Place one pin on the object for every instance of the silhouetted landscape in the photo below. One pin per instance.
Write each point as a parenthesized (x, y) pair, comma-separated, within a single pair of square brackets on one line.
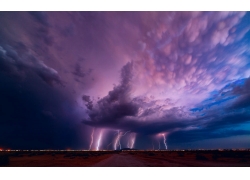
[(125, 158)]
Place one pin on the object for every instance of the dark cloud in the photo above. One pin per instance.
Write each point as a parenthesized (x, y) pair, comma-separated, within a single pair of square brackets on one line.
[(228, 120), (32, 114), (12, 63), (116, 105), (48, 114), (25, 126), (89, 103), (86, 98), (79, 72), (118, 110), (179, 137), (233, 96), (242, 102), (243, 93), (41, 17)]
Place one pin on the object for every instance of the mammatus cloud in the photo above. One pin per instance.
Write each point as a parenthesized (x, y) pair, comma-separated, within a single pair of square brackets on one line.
[(150, 116)]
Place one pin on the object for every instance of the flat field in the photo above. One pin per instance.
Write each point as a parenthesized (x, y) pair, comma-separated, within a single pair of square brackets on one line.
[(125, 158)]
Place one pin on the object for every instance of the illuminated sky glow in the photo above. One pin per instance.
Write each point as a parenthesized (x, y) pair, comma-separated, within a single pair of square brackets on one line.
[(170, 79)]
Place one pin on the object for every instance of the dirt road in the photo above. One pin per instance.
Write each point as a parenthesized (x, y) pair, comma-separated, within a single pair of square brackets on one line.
[(120, 160), (127, 160)]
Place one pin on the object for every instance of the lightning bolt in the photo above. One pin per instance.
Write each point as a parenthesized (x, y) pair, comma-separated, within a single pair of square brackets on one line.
[(92, 137), (132, 143), (164, 140), (117, 139), (125, 133), (121, 136), (132, 140), (159, 145), (98, 142)]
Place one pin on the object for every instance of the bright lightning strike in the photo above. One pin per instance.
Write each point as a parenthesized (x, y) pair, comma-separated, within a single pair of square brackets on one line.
[(92, 137), (117, 139), (98, 142), (164, 140), (132, 140), (132, 144)]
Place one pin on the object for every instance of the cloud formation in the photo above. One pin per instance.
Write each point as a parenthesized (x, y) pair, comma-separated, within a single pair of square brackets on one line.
[(152, 116), (181, 74), (13, 63)]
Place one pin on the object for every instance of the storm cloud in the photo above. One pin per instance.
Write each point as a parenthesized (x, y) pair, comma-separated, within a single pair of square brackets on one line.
[(69, 76)]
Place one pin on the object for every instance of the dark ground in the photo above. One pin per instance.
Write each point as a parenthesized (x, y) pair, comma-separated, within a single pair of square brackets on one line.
[(125, 158)]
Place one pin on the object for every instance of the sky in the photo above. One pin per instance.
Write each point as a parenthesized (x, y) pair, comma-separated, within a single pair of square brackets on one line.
[(112, 80)]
